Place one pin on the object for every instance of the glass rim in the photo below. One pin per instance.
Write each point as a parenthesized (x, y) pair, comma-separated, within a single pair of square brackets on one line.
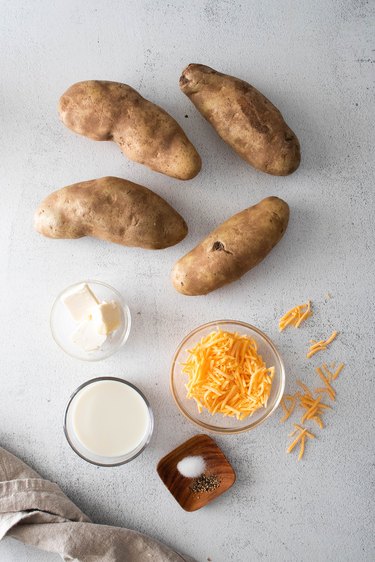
[(127, 383), (124, 306), (251, 425)]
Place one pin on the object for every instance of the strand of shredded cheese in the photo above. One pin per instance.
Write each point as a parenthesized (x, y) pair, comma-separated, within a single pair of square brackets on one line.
[(302, 448), (288, 411), (327, 371), (338, 371), (319, 421), (304, 387), (226, 375), (295, 316), (320, 345), (330, 390)]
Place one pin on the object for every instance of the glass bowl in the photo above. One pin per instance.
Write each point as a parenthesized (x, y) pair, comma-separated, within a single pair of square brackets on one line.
[(81, 450), (63, 325), (218, 423)]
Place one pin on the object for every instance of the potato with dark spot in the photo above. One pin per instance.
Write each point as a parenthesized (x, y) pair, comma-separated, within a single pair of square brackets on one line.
[(111, 111), (232, 249), (111, 209), (244, 118)]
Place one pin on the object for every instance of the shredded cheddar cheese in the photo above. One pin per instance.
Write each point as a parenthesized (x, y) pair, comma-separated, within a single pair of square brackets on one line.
[(311, 403), (308, 433), (312, 406), (295, 316), (288, 411), (299, 436), (305, 388), (226, 375), (302, 449), (303, 433), (338, 371), (320, 345), (327, 371), (328, 387)]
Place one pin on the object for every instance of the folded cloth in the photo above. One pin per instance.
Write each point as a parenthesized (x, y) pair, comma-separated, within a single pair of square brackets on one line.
[(38, 513)]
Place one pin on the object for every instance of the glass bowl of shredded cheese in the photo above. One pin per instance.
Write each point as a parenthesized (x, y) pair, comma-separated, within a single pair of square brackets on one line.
[(227, 377)]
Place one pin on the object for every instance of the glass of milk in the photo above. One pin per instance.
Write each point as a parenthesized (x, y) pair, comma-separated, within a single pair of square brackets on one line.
[(108, 421)]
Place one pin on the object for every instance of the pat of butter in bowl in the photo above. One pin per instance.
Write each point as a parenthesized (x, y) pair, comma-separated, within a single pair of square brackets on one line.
[(79, 301), (97, 320), (106, 316)]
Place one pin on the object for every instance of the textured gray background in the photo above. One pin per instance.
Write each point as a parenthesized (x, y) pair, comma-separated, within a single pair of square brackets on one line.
[(315, 62)]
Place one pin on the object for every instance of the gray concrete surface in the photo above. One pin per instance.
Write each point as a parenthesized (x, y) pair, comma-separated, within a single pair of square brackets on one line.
[(315, 61)]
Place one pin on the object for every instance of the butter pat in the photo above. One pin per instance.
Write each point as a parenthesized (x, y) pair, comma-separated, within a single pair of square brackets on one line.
[(87, 337), (80, 302), (107, 317)]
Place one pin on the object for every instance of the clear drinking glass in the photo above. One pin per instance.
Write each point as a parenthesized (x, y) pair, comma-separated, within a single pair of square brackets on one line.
[(91, 457)]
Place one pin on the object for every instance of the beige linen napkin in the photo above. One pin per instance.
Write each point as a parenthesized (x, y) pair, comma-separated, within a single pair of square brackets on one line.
[(38, 513)]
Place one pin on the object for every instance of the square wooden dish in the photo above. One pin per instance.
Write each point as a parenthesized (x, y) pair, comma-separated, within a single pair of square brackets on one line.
[(180, 486)]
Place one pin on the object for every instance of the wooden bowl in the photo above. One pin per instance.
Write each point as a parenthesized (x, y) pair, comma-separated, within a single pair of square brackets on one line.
[(180, 486)]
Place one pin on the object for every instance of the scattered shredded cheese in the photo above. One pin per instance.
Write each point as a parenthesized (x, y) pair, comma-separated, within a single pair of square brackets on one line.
[(303, 433), (309, 401), (227, 375), (328, 387), (294, 443), (308, 433), (312, 410), (295, 316), (323, 389), (304, 387), (327, 371), (320, 345), (288, 411), (311, 404)]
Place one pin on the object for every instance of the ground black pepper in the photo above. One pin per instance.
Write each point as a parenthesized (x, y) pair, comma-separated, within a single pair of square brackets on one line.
[(205, 483)]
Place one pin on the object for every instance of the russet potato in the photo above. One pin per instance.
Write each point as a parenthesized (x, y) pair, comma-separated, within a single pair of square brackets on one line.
[(111, 209), (232, 249), (244, 118), (111, 111)]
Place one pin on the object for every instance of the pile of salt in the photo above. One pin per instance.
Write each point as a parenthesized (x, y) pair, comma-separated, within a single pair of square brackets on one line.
[(191, 467)]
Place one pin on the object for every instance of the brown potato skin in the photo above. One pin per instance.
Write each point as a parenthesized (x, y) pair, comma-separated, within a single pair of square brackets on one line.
[(232, 249), (111, 209), (147, 134), (244, 118)]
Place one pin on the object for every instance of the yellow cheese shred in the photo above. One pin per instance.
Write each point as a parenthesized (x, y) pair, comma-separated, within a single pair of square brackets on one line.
[(295, 316), (303, 433), (302, 448), (338, 371), (288, 411), (320, 345), (226, 375)]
